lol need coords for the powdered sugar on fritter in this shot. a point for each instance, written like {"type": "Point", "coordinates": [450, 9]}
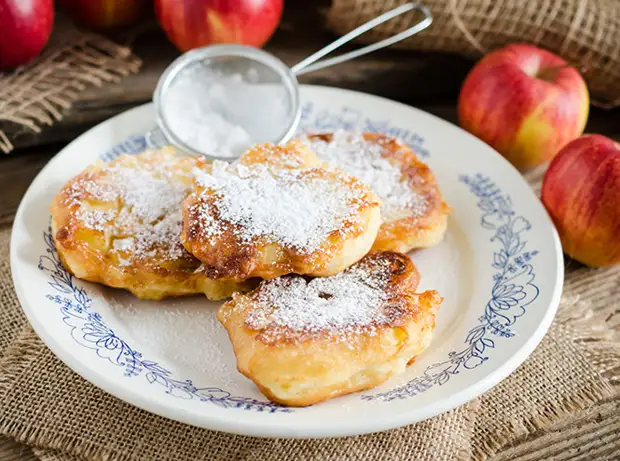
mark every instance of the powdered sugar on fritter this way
{"type": "Point", "coordinates": [295, 208]}
{"type": "Point", "coordinates": [352, 301]}
{"type": "Point", "coordinates": [139, 204]}
{"type": "Point", "coordinates": [363, 159]}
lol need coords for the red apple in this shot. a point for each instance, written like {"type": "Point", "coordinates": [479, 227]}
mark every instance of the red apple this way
{"type": "Point", "coordinates": [581, 191]}
{"type": "Point", "coordinates": [105, 14]}
{"type": "Point", "coordinates": [195, 23]}
{"type": "Point", "coordinates": [525, 102]}
{"type": "Point", "coordinates": [25, 27]}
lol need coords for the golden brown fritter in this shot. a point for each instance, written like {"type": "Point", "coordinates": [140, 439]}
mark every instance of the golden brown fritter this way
{"type": "Point", "coordinates": [413, 211]}
{"type": "Point", "coordinates": [119, 224]}
{"type": "Point", "coordinates": [304, 342]}
{"type": "Point", "coordinates": [277, 211]}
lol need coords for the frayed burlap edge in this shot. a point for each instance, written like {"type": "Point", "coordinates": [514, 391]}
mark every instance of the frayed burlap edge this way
{"type": "Point", "coordinates": [583, 32]}
{"type": "Point", "coordinates": [50, 455]}
{"type": "Point", "coordinates": [600, 343]}
{"type": "Point", "coordinates": [49, 445]}
{"type": "Point", "coordinates": [37, 94]}
{"type": "Point", "coordinates": [12, 364]}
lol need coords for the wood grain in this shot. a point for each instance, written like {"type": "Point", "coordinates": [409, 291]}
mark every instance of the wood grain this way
{"type": "Point", "coordinates": [13, 451]}
{"type": "Point", "coordinates": [591, 435]}
{"type": "Point", "coordinates": [16, 174]}
{"type": "Point", "coordinates": [427, 80]}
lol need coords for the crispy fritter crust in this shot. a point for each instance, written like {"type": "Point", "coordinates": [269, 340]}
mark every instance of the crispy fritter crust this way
{"type": "Point", "coordinates": [88, 253]}
{"type": "Point", "coordinates": [227, 257]}
{"type": "Point", "coordinates": [300, 369]}
{"type": "Point", "coordinates": [408, 233]}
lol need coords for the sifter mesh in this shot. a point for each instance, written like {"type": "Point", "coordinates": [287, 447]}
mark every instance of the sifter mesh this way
{"type": "Point", "coordinates": [218, 100]}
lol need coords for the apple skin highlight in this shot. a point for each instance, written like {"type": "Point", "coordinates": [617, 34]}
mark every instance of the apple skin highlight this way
{"type": "Point", "coordinates": [581, 191]}
{"type": "Point", "coordinates": [525, 102]}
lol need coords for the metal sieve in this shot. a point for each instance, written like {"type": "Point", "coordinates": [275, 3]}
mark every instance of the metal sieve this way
{"type": "Point", "coordinates": [246, 88]}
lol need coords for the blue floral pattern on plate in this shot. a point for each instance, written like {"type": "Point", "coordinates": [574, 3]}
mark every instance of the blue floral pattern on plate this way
{"type": "Point", "coordinates": [512, 292]}
{"type": "Point", "coordinates": [350, 119]}
{"type": "Point", "coordinates": [88, 329]}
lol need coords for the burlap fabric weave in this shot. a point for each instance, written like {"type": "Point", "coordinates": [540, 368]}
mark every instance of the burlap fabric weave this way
{"type": "Point", "coordinates": [38, 93]}
{"type": "Point", "coordinates": [584, 32]}
{"type": "Point", "coordinates": [65, 418]}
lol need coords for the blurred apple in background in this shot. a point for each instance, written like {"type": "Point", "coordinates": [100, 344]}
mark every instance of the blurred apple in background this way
{"type": "Point", "coordinates": [581, 191]}
{"type": "Point", "coordinates": [195, 23]}
{"type": "Point", "coordinates": [25, 27]}
{"type": "Point", "coordinates": [106, 14]}
{"type": "Point", "coordinates": [525, 102]}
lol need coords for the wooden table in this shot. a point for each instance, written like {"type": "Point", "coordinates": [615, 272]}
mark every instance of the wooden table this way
{"type": "Point", "coordinates": [427, 81]}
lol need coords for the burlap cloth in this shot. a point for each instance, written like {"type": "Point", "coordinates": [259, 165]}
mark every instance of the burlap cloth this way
{"type": "Point", "coordinates": [44, 404]}
{"type": "Point", "coordinates": [584, 32]}
{"type": "Point", "coordinates": [39, 93]}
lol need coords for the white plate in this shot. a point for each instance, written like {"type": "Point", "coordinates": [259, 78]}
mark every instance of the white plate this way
{"type": "Point", "coordinates": [499, 269]}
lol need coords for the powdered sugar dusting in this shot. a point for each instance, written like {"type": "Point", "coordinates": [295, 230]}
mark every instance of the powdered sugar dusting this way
{"type": "Point", "coordinates": [364, 160]}
{"type": "Point", "coordinates": [138, 205]}
{"type": "Point", "coordinates": [221, 112]}
{"type": "Point", "coordinates": [295, 208]}
{"type": "Point", "coordinates": [95, 219]}
{"type": "Point", "coordinates": [351, 302]}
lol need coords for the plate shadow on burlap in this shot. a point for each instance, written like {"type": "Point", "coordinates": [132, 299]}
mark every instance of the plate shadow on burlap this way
{"type": "Point", "coordinates": [65, 418]}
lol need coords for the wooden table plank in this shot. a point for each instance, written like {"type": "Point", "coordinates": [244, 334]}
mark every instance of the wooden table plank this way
{"type": "Point", "coordinates": [429, 80]}
{"type": "Point", "coordinates": [591, 435]}
{"type": "Point", "coordinates": [16, 174]}
{"type": "Point", "coordinates": [13, 451]}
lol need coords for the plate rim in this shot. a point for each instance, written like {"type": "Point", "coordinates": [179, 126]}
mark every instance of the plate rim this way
{"type": "Point", "coordinates": [238, 425]}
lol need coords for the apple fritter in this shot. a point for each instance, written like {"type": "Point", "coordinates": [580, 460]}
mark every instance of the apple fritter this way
{"type": "Point", "coordinates": [413, 211]}
{"type": "Point", "coordinates": [304, 342]}
{"type": "Point", "coordinates": [277, 211]}
{"type": "Point", "coordinates": [119, 224]}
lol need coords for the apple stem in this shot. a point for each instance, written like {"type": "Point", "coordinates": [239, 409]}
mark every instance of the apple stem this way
{"type": "Point", "coordinates": [549, 73]}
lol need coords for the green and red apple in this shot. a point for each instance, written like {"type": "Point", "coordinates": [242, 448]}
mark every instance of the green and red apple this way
{"type": "Point", "coordinates": [525, 102]}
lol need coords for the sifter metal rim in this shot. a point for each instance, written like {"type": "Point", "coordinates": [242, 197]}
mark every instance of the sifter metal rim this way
{"type": "Point", "coordinates": [212, 51]}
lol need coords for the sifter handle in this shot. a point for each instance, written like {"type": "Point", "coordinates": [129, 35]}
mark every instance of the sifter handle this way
{"type": "Point", "coordinates": [155, 138]}
{"type": "Point", "coordinates": [310, 64]}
